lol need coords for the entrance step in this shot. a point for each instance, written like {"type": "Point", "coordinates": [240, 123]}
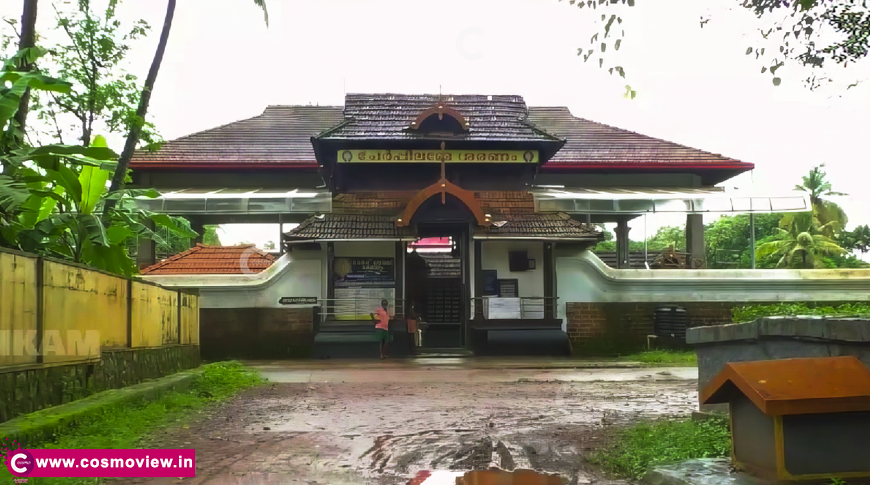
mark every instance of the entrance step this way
{"type": "Point", "coordinates": [450, 353]}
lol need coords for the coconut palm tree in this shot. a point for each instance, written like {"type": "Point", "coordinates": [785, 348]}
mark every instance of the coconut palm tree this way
{"type": "Point", "coordinates": [800, 241]}
{"type": "Point", "coordinates": [817, 186]}
{"type": "Point", "coordinates": [119, 178]}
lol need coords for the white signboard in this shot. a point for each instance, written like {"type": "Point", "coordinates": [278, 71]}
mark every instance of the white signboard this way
{"type": "Point", "coordinates": [360, 303]}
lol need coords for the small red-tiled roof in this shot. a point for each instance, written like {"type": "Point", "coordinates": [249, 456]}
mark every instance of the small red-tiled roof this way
{"type": "Point", "coordinates": [245, 259]}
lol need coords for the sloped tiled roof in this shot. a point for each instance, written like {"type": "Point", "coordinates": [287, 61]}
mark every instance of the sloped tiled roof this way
{"type": "Point", "coordinates": [589, 142]}
{"type": "Point", "coordinates": [544, 225]}
{"type": "Point", "coordinates": [356, 226]}
{"type": "Point", "coordinates": [201, 259]}
{"type": "Point", "coordinates": [347, 226]}
{"type": "Point", "coordinates": [281, 136]}
{"type": "Point", "coordinates": [388, 116]}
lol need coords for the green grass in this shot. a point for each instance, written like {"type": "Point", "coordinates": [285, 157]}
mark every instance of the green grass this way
{"type": "Point", "coordinates": [634, 449]}
{"type": "Point", "coordinates": [659, 357]}
{"type": "Point", "coordinates": [125, 427]}
{"type": "Point", "coordinates": [749, 313]}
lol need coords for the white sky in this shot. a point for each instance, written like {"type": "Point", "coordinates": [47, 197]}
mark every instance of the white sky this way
{"type": "Point", "coordinates": [695, 86]}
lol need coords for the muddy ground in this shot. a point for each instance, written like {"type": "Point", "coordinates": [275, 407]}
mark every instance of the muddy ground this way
{"type": "Point", "coordinates": [382, 426]}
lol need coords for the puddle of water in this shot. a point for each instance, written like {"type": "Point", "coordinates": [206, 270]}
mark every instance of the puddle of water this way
{"type": "Point", "coordinates": [486, 477]}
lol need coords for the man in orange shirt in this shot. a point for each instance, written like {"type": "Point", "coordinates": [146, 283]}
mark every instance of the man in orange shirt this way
{"type": "Point", "coordinates": [381, 317]}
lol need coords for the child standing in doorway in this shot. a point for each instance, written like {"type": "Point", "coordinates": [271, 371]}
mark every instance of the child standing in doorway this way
{"type": "Point", "coordinates": [381, 317]}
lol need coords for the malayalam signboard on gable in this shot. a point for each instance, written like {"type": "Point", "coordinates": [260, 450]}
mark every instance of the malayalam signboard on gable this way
{"type": "Point", "coordinates": [436, 156]}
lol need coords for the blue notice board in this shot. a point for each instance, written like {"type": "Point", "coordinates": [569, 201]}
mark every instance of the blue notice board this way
{"type": "Point", "coordinates": [490, 282]}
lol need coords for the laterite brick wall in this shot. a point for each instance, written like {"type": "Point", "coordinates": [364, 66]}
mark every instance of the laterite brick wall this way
{"type": "Point", "coordinates": [256, 333]}
{"type": "Point", "coordinates": [624, 327]}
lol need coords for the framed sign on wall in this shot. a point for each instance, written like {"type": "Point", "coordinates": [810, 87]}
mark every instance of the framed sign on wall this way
{"type": "Point", "coordinates": [490, 282]}
{"type": "Point", "coordinates": [509, 288]}
{"type": "Point", "coordinates": [364, 272]}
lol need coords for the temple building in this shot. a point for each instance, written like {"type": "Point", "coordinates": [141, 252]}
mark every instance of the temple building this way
{"type": "Point", "coordinates": [478, 211]}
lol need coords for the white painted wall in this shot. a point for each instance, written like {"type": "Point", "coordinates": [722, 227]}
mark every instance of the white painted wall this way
{"type": "Point", "coordinates": [302, 277]}
{"type": "Point", "coordinates": [494, 255]}
{"type": "Point", "coordinates": [582, 277]}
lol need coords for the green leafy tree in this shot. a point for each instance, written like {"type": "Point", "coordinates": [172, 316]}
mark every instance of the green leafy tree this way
{"type": "Point", "coordinates": [133, 136]}
{"type": "Point", "coordinates": [666, 237]}
{"type": "Point", "coordinates": [104, 95]}
{"type": "Point", "coordinates": [801, 33]}
{"type": "Point", "coordinates": [727, 239]}
{"type": "Point", "coordinates": [802, 243]}
{"type": "Point", "coordinates": [27, 63]}
{"type": "Point", "coordinates": [856, 240]}
{"type": "Point", "coordinates": [50, 196]}
{"type": "Point", "coordinates": [817, 186]}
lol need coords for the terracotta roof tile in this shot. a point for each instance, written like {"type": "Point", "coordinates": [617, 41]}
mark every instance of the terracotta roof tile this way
{"type": "Point", "coordinates": [203, 259]}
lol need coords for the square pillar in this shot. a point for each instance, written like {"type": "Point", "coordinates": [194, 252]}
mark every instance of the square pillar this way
{"type": "Point", "coordinates": [622, 244]}
{"type": "Point", "coordinates": [695, 241]}
{"type": "Point", "coordinates": [400, 280]}
{"type": "Point", "coordinates": [550, 303]}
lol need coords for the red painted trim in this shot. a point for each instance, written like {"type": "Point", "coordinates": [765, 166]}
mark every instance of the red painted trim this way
{"type": "Point", "coordinates": [648, 165]}
{"type": "Point", "coordinates": [228, 165]}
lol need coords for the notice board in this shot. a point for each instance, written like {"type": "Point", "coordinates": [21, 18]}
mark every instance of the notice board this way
{"type": "Point", "coordinates": [490, 282]}
{"type": "Point", "coordinates": [509, 288]}
{"type": "Point", "coordinates": [364, 272]}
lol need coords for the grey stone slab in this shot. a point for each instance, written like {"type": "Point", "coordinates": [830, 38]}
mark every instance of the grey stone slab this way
{"type": "Point", "coordinates": [722, 333]}
{"type": "Point", "coordinates": [773, 338]}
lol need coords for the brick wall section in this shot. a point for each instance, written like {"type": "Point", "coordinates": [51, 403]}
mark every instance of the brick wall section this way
{"type": "Point", "coordinates": [256, 333]}
{"type": "Point", "coordinates": [624, 327]}
{"type": "Point", "coordinates": [31, 388]}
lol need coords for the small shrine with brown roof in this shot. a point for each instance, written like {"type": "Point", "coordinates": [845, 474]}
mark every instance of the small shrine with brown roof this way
{"type": "Point", "coordinates": [797, 419]}
{"type": "Point", "coordinates": [507, 185]}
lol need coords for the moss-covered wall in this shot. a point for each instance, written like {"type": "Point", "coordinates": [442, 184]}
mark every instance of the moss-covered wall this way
{"type": "Point", "coordinates": [31, 388]}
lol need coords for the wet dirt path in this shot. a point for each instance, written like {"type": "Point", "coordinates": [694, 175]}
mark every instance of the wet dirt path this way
{"type": "Point", "coordinates": [381, 425]}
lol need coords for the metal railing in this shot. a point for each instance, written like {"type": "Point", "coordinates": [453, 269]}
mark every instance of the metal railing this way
{"type": "Point", "coordinates": [524, 308]}
{"type": "Point", "coordinates": [355, 309]}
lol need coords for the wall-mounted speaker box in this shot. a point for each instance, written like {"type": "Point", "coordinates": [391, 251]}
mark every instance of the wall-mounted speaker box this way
{"type": "Point", "coordinates": [518, 260]}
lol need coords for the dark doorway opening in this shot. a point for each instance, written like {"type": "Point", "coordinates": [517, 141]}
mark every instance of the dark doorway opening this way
{"type": "Point", "coordinates": [437, 275]}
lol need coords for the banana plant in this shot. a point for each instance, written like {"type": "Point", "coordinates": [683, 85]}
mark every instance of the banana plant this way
{"type": "Point", "coordinates": [61, 214]}
{"type": "Point", "coordinates": [51, 197]}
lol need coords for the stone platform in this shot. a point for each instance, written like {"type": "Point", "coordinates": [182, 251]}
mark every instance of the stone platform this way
{"type": "Point", "coordinates": [773, 338]}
